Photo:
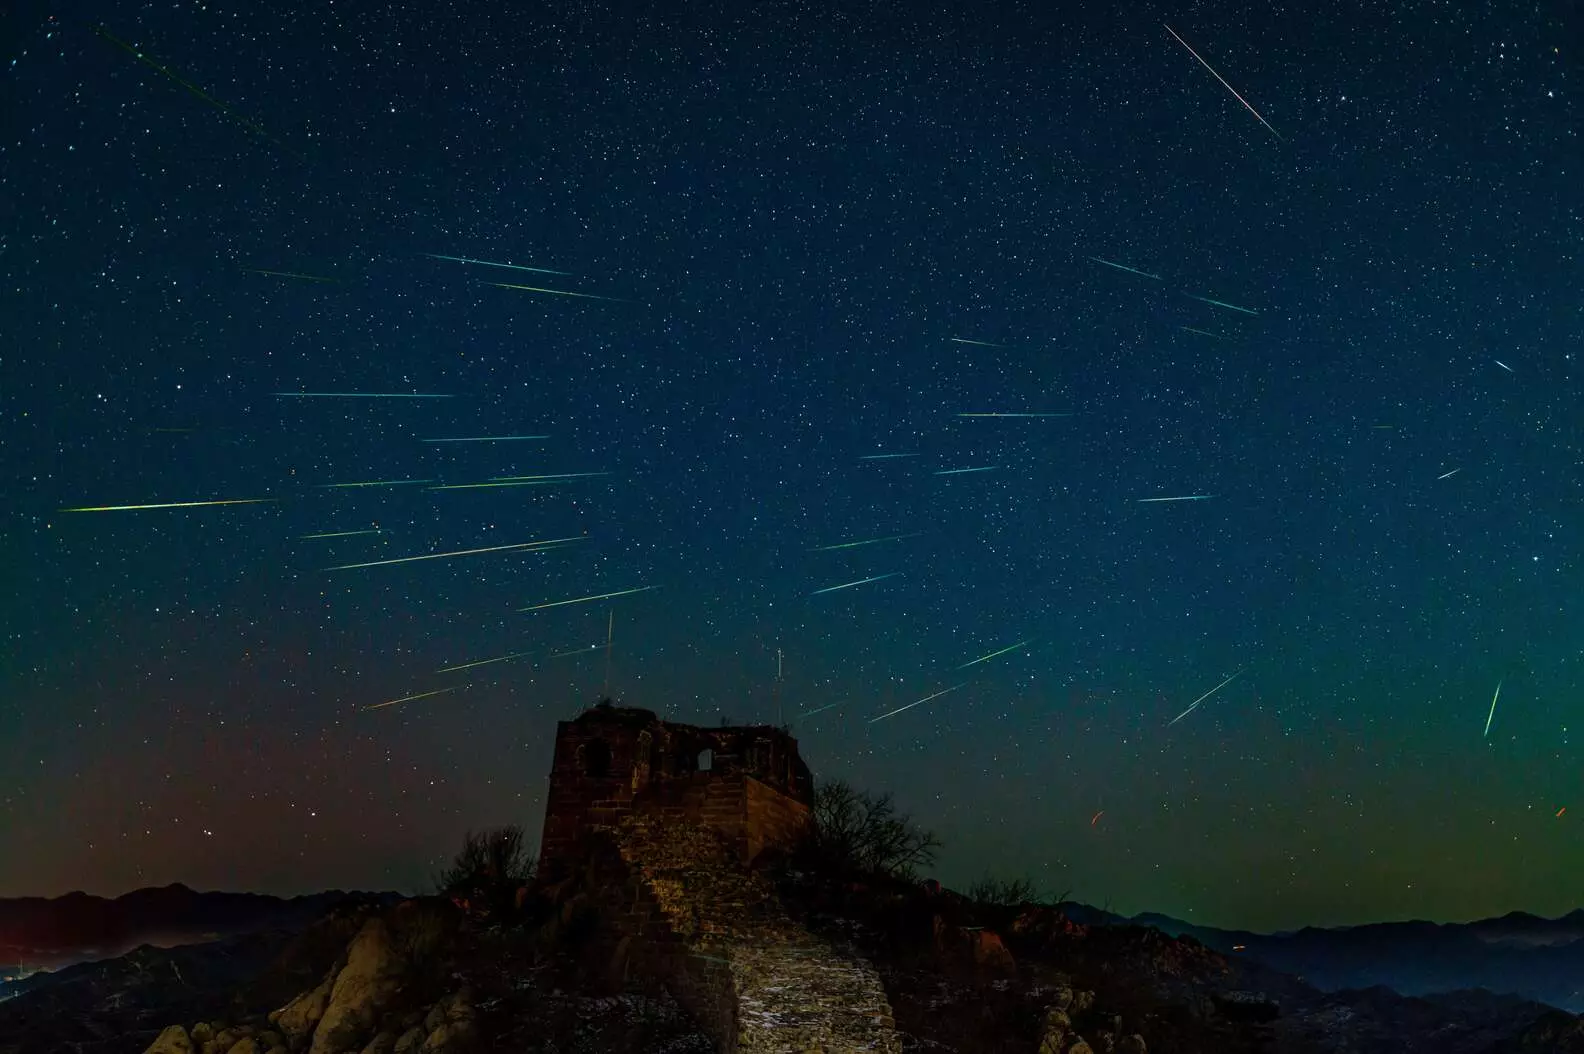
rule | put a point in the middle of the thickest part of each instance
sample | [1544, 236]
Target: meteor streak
[962, 471]
[559, 292]
[584, 600]
[883, 457]
[1043, 413]
[459, 552]
[1195, 704]
[1180, 497]
[482, 662]
[1221, 303]
[550, 475]
[849, 585]
[361, 395]
[410, 698]
[1449, 475]
[980, 343]
[866, 541]
[338, 534]
[986, 658]
[1227, 86]
[165, 72]
[821, 709]
[910, 706]
[492, 263]
[169, 505]
[484, 439]
[1125, 267]
[1504, 366]
[375, 483]
[293, 274]
[1202, 332]
[1492, 715]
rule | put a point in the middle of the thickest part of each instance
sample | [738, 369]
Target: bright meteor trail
[1222, 303]
[1181, 497]
[360, 395]
[460, 552]
[1227, 86]
[410, 698]
[484, 439]
[910, 706]
[849, 585]
[1195, 704]
[169, 505]
[1003, 651]
[1492, 715]
[584, 600]
[1044, 413]
[866, 541]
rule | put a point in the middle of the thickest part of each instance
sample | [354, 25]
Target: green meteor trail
[338, 534]
[849, 585]
[376, 483]
[911, 705]
[1181, 497]
[1223, 303]
[866, 541]
[962, 471]
[1125, 267]
[980, 343]
[883, 457]
[1003, 651]
[1047, 413]
[484, 439]
[584, 600]
[492, 263]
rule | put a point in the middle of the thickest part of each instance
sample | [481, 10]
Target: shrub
[485, 876]
[1003, 893]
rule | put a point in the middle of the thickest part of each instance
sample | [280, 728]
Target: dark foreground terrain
[960, 977]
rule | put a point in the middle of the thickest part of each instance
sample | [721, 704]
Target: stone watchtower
[747, 783]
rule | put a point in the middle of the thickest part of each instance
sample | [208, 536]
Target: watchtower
[747, 782]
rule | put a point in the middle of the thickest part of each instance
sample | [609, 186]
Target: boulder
[410, 1042]
[384, 1043]
[991, 953]
[363, 990]
[298, 1018]
[174, 1040]
[1133, 1044]
[202, 1033]
[245, 1045]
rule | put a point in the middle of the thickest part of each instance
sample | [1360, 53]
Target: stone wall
[691, 915]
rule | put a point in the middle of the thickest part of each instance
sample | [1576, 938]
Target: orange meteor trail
[1227, 86]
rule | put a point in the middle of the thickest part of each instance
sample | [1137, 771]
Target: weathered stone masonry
[665, 819]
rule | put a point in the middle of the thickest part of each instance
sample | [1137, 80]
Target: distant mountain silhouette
[48, 933]
[1518, 954]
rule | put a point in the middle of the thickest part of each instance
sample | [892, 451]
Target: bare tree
[856, 832]
[487, 873]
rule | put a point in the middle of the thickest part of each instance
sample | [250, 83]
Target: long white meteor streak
[910, 706]
[965, 471]
[340, 534]
[883, 457]
[559, 292]
[1227, 86]
[492, 263]
[484, 439]
[483, 662]
[987, 658]
[1047, 413]
[1492, 715]
[461, 552]
[1180, 497]
[849, 585]
[170, 505]
[866, 541]
[410, 698]
[980, 343]
[584, 600]
[1222, 303]
[1195, 704]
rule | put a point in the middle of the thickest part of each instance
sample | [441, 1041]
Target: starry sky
[1318, 278]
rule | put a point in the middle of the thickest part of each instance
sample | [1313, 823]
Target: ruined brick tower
[747, 783]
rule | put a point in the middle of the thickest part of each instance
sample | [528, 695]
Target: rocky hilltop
[659, 942]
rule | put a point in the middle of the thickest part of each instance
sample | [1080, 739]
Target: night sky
[810, 244]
